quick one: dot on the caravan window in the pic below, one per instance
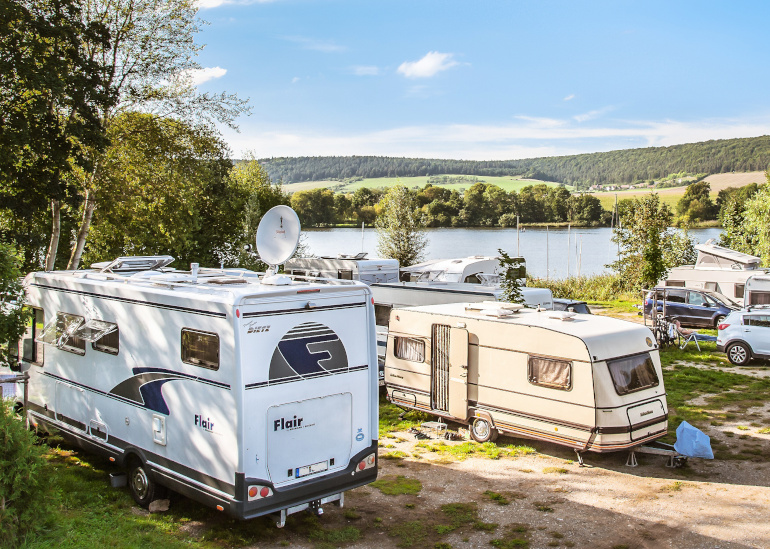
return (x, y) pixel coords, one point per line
(200, 349)
(345, 274)
(31, 350)
(633, 373)
(409, 348)
(759, 298)
(110, 342)
(739, 290)
(547, 372)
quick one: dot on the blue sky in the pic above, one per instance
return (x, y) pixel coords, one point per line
(486, 80)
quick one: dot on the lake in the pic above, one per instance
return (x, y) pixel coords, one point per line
(548, 253)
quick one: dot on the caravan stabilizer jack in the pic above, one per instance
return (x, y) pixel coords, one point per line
(313, 507)
(675, 459)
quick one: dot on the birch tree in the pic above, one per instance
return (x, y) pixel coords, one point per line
(400, 233)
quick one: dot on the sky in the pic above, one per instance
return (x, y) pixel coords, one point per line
(486, 80)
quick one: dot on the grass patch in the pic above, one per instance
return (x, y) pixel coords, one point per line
(516, 535)
(674, 487)
(607, 290)
(409, 533)
(764, 431)
(543, 507)
(395, 454)
(559, 470)
(500, 499)
(397, 485)
(390, 419)
(466, 449)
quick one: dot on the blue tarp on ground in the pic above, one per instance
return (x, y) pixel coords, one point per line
(692, 442)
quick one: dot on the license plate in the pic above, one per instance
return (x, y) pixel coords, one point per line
(312, 469)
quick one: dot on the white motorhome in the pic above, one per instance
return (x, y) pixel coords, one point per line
(345, 267)
(251, 394)
(717, 269)
(476, 269)
(590, 382)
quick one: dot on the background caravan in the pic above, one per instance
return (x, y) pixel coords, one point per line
(345, 267)
(251, 394)
(584, 381)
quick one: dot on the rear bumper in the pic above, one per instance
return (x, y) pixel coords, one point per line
(302, 492)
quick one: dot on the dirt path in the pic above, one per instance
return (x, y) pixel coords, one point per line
(555, 503)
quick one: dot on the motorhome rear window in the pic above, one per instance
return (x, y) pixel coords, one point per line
(108, 343)
(200, 349)
(633, 373)
(548, 372)
(409, 348)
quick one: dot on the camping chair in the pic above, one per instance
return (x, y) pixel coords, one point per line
(686, 336)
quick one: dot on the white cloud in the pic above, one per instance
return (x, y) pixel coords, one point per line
(590, 115)
(430, 65)
(325, 46)
(570, 97)
(199, 76)
(295, 79)
(365, 70)
(525, 137)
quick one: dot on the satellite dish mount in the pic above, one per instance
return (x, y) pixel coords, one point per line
(277, 239)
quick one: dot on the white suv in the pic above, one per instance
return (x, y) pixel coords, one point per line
(745, 334)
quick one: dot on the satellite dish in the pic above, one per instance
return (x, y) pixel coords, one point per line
(277, 239)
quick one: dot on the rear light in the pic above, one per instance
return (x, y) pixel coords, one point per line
(258, 492)
(368, 462)
(722, 326)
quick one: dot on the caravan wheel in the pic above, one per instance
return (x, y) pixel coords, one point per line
(482, 431)
(144, 490)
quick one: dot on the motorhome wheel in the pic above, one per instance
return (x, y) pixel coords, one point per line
(482, 431)
(144, 490)
(738, 353)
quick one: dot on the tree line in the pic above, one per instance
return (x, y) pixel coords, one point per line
(581, 170)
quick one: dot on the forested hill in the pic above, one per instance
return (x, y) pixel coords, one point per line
(623, 166)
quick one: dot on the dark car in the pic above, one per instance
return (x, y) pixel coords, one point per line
(561, 304)
(698, 308)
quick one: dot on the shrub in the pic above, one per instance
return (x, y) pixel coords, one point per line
(25, 497)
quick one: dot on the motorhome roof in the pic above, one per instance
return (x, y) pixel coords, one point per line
(449, 265)
(604, 336)
(710, 249)
(229, 286)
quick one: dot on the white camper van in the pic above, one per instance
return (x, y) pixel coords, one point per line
(345, 267)
(476, 269)
(589, 382)
(251, 394)
(758, 290)
(717, 269)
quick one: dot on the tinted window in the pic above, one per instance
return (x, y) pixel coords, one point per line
(759, 298)
(345, 274)
(109, 343)
(757, 320)
(547, 372)
(200, 349)
(675, 296)
(409, 348)
(633, 373)
(697, 299)
(739, 290)
(675, 283)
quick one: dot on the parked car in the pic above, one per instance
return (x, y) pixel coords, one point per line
(699, 308)
(573, 305)
(745, 334)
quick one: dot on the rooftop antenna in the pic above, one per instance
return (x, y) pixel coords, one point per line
(277, 239)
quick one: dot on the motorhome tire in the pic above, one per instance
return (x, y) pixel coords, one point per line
(738, 353)
(144, 490)
(482, 431)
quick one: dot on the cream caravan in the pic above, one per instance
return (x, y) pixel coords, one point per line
(585, 381)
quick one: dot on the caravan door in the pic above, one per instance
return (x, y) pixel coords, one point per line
(449, 370)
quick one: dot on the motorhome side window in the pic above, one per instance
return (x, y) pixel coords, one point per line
(31, 350)
(547, 372)
(110, 342)
(633, 373)
(739, 290)
(344, 274)
(200, 349)
(409, 348)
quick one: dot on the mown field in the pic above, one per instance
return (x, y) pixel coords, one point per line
(507, 183)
